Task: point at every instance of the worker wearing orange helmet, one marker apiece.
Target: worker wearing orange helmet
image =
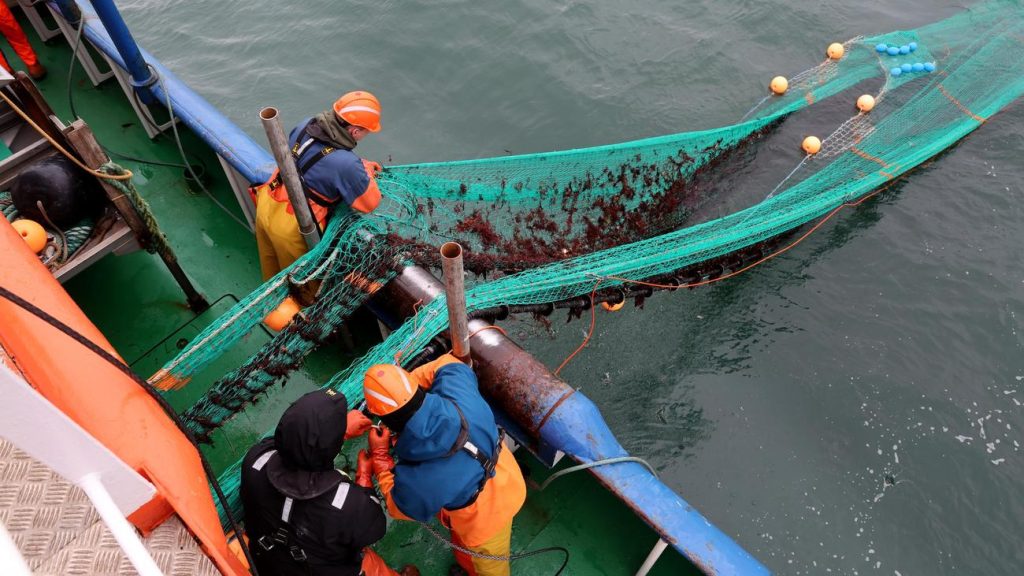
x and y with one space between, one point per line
452 461
333 178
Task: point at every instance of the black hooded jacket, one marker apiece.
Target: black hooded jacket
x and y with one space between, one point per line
329 518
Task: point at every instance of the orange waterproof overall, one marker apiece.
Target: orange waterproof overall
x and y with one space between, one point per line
485 526
278 238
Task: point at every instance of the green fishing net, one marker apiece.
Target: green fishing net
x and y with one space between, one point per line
543 228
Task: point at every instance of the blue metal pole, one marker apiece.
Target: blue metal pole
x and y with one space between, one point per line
675 520
142 77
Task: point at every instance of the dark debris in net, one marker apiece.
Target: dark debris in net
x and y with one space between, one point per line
584 218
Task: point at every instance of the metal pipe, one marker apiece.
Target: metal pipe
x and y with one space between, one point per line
455 294
289 175
141 73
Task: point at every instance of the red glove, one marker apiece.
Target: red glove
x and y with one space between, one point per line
356 424
379 440
372 168
364 470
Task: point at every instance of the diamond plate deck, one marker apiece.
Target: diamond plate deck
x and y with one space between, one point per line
59 532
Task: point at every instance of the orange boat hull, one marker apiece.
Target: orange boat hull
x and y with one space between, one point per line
103 400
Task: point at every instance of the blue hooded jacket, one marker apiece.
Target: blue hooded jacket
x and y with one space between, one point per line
339 176
426 479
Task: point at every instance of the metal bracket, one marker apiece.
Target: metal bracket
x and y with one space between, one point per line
96 76
153 129
240 186
32 13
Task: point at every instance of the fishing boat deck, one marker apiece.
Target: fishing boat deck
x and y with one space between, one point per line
136 304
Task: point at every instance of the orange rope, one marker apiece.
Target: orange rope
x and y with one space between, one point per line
593 315
490 327
415 327
867 156
416 312
593 322
959 105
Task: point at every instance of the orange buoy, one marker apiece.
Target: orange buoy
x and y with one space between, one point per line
865 103
779 85
811 145
608 307
835 51
283 314
32 232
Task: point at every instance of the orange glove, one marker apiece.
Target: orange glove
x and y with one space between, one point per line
364 470
372 168
356 424
379 441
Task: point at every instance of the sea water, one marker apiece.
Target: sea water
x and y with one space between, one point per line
852 407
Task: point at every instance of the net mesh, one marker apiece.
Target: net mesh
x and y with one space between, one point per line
544 228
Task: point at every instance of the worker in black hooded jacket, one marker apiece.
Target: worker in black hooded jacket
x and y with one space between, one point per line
302 516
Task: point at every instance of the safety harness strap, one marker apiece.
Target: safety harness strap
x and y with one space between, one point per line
282 536
463 443
300 147
324 152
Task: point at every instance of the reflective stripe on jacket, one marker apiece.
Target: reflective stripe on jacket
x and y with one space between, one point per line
330 529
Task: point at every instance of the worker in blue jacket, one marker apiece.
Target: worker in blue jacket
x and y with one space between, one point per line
452 461
333 177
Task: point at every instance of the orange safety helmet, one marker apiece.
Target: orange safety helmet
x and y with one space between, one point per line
387 388
359 109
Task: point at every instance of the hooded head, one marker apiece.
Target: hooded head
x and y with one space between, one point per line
309 436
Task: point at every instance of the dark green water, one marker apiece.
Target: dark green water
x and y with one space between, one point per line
854 406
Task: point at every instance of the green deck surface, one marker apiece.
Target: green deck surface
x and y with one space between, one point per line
141 310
